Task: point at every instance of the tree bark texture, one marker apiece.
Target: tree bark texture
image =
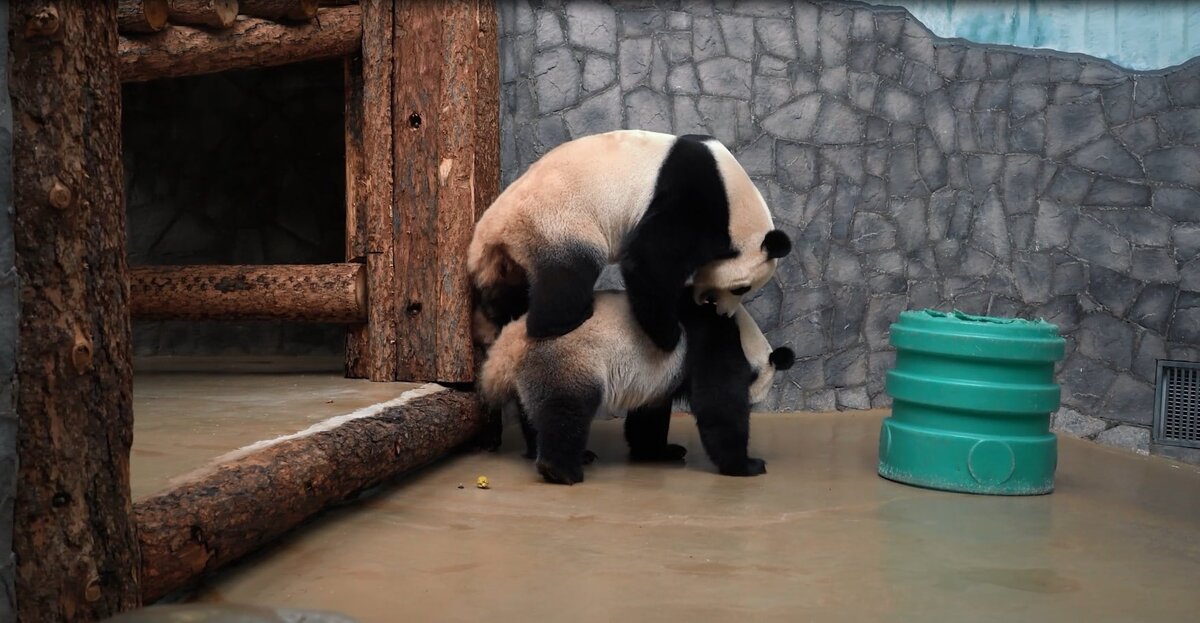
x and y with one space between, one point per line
358 337
377 165
280 10
223 513
487 108
436 111
210 13
250 43
74 537
334 293
141 16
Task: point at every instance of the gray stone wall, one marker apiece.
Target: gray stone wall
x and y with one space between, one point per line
8 340
236 168
911 172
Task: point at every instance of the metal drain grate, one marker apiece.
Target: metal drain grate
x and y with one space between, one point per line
1177 404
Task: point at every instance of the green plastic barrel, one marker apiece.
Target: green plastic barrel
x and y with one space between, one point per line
972 398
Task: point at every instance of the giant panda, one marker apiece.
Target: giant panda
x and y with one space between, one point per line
721 366
667 208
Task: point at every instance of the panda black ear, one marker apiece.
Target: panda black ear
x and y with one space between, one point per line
782 358
777 244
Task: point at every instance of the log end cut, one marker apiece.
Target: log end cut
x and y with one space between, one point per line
212 13
142 16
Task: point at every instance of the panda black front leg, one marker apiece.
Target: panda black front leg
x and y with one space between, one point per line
563 422
530 434
646 433
723 419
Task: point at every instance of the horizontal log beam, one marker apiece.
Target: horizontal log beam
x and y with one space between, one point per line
333 293
251 497
250 43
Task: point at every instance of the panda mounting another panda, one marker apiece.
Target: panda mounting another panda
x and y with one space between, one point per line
607 365
667 208
692 236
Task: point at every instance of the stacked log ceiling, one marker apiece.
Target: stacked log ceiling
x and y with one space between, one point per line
436 112
210 13
141 15
250 43
280 10
332 293
74 536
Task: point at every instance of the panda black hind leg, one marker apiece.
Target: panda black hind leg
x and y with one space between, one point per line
646 433
530 434
563 420
561 291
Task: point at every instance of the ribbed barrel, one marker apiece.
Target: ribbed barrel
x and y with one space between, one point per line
971 403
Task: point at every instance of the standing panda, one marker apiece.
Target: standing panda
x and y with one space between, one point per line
668 208
721 367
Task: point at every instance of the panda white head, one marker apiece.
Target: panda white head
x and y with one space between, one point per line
726 282
756 245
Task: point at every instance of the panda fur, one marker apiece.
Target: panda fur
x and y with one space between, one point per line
721 366
667 208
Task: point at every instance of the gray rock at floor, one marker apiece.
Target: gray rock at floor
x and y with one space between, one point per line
1076 424
1126 437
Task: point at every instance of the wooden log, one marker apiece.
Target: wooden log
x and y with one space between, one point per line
487 122
377 162
280 10
73 536
250 43
141 16
420 61
436 162
358 349
487 108
456 189
333 293
252 497
211 13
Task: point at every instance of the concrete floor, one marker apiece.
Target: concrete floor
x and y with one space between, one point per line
190 410
819 537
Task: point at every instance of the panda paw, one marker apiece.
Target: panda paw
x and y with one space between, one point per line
560 474
752 467
667 453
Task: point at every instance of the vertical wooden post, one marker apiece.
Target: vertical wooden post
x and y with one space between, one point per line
377 51
358 349
487 109
438 110
74 537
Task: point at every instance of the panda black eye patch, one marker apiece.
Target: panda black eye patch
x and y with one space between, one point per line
740 291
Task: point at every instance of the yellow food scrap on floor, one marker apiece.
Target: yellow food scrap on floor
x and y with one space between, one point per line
482 483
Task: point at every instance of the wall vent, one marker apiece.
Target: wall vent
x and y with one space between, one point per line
1177 404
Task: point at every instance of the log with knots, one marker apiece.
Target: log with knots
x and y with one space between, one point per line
140 17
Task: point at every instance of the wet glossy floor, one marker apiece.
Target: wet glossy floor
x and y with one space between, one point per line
188 411
820 537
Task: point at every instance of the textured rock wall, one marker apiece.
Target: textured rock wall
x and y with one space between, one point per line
232 168
911 171
8 343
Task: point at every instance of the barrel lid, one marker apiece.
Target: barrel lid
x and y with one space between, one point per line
962 334
962 322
